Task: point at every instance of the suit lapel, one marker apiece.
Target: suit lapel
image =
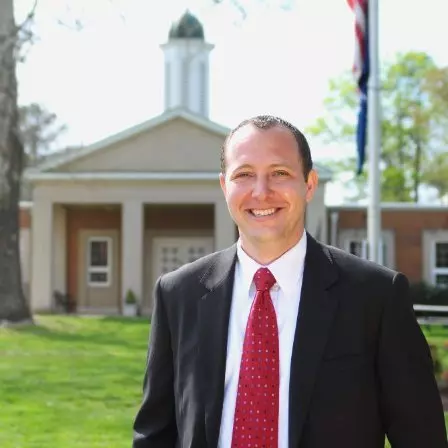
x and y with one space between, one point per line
214 312
316 312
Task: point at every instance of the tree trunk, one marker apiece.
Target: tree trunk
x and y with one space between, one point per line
417 168
13 306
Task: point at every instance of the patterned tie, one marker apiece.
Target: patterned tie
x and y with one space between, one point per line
256 413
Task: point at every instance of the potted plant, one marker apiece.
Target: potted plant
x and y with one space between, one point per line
130 304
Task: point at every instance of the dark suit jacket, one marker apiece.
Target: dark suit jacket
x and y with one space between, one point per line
360 367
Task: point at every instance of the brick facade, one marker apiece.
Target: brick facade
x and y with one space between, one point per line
407 223
408 226
160 218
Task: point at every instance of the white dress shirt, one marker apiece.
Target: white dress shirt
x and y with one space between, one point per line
285 294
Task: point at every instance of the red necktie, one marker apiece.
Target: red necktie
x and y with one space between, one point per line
257 402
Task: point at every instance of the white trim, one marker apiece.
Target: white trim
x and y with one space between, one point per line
133 131
430 239
409 206
99 269
435 271
126 176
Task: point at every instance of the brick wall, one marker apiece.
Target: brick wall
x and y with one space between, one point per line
179 217
408 226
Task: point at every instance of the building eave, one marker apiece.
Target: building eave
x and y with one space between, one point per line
401 206
123 176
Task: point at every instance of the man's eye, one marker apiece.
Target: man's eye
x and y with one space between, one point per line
243 174
281 173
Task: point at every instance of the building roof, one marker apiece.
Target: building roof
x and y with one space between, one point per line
187 27
46 170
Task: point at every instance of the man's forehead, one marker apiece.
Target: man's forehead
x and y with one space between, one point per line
250 130
249 135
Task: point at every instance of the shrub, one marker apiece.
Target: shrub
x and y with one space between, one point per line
424 294
437 363
130 298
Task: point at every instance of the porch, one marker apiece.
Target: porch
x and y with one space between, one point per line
97 245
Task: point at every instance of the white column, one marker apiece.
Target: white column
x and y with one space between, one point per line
132 241
42 254
224 226
316 215
60 249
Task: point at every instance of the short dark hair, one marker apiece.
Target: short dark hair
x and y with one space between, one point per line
267 122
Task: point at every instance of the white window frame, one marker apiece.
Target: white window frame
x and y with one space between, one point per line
99 269
430 239
435 271
386 249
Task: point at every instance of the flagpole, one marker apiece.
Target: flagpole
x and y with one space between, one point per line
374 138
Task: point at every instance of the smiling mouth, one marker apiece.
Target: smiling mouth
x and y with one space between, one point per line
265 212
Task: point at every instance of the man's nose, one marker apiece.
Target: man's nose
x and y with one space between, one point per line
261 188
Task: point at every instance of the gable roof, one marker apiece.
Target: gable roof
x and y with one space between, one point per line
61 158
69 156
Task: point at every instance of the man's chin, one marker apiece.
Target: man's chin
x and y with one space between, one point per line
264 237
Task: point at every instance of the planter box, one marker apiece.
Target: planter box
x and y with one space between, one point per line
129 309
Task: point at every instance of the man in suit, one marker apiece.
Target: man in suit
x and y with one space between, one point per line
280 341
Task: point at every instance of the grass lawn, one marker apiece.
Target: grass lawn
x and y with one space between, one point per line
76 382
71 382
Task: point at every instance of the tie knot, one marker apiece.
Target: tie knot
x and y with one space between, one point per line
263 279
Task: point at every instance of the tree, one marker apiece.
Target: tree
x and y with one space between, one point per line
39 130
243 6
436 174
13 306
414 122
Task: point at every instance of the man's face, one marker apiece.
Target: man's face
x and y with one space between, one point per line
264 186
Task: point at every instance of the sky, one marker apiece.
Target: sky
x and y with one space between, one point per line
109 75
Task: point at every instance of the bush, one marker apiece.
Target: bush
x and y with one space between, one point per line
424 294
130 298
437 363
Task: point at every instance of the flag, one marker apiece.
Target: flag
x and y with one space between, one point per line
361 73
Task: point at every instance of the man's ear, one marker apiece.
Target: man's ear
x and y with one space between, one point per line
222 182
311 185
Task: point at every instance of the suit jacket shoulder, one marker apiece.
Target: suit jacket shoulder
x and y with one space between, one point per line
354 268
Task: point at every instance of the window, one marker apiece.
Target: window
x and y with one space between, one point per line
355 242
360 248
99 261
173 252
440 260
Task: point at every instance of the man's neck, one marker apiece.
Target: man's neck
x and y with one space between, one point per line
266 253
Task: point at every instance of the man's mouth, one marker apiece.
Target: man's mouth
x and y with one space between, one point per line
262 212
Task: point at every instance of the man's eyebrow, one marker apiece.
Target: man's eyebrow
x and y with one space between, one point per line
274 165
245 165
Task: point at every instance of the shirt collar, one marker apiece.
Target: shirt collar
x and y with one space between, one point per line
287 270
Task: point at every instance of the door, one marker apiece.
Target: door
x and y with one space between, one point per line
98 271
169 253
